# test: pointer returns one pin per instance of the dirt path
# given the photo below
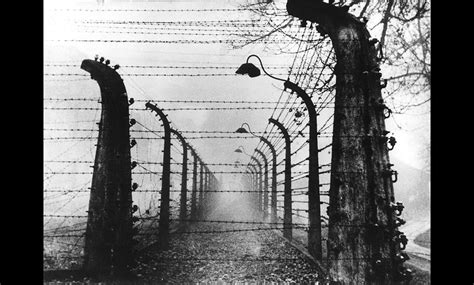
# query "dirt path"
(412, 229)
(420, 257)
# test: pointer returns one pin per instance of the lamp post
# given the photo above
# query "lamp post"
(314, 210)
(273, 201)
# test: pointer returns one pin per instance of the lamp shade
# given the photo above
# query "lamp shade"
(248, 68)
(241, 130)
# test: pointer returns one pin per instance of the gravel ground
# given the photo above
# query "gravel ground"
(230, 257)
(227, 253)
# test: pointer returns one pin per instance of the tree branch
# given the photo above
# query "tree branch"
(385, 21)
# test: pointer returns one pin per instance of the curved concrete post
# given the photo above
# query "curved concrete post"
(164, 222)
(287, 203)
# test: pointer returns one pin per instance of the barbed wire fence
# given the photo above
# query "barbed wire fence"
(72, 129)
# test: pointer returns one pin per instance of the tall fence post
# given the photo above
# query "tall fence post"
(254, 193)
(259, 182)
(247, 182)
(214, 190)
(210, 193)
(287, 203)
(194, 188)
(314, 199)
(363, 241)
(108, 238)
(273, 201)
(184, 177)
(201, 187)
(206, 192)
(164, 222)
(265, 185)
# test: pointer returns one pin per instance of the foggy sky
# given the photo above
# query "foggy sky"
(61, 26)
